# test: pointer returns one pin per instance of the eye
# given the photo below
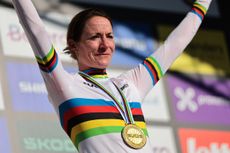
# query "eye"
(110, 36)
(94, 37)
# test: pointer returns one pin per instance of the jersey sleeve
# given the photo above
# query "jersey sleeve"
(147, 74)
(34, 30)
(45, 53)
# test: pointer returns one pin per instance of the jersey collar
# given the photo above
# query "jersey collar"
(96, 73)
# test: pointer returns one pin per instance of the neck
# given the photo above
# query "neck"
(96, 73)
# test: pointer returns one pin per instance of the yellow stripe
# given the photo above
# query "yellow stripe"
(141, 125)
(94, 124)
(99, 123)
(99, 76)
(155, 65)
(47, 58)
(201, 7)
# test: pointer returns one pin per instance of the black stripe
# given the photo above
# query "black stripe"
(94, 116)
(203, 13)
(47, 64)
(44, 67)
(97, 73)
(152, 66)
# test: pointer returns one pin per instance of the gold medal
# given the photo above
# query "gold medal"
(133, 136)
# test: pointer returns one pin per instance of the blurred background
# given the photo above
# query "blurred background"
(188, 111)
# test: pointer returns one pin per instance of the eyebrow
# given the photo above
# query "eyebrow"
(98, 33)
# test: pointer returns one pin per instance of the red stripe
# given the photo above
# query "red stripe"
(198, 11)
(53, 62)
(86, 109)
(97, 71)
(136, 111)
(50, 66)
(152, 70)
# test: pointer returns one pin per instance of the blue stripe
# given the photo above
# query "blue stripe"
(88, 70)
(201, 17)
(54, 66)
(77, 102)
(135, 105)
(151, 75)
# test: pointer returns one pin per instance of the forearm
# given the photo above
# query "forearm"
(179, 38)
(46, 56)
(33, 27)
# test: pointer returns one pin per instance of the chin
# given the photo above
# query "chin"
(102, 65)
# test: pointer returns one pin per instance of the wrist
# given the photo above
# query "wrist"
(204, 4)
(200, 8)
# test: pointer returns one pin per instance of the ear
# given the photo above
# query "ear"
(72, 44)
(73, 48)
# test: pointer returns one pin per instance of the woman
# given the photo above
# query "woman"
(102, 114)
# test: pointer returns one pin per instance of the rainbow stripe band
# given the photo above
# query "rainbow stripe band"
(96, 73)
(199, 10)
(49, 62)
(102, 130)
(153, 68)
(84, 118)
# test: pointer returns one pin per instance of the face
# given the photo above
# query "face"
(96, 46)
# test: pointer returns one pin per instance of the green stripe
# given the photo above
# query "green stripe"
(145, 132)
(99, 131)
(201, 6)
(44, 60)
(158, 65)
(100, 76)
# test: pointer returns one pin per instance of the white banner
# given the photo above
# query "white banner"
(162, 139)
(14, 41)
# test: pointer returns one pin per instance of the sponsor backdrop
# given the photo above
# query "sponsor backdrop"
(207, 141)
(186, 112)
(162, 139)
(1, 99)
(5, 145)
(47, 137)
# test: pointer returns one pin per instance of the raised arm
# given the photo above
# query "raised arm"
(33, 27)
(154, 67)
(55, 77)
(37, 35)
(181, 36)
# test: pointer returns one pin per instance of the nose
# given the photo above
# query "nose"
(104, 43)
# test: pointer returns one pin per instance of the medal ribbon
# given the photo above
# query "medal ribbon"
(124, 110)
